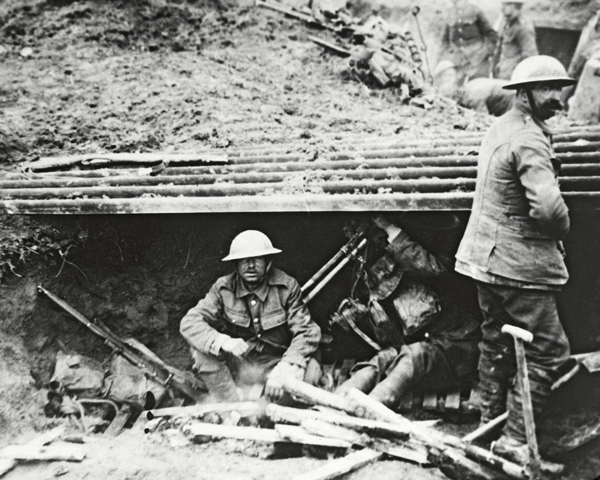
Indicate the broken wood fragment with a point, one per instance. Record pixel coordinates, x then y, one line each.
341 466
244 408
412 451
66 452
200 431
7 464
312 395
280 414
297 434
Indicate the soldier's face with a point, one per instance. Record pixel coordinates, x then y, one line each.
510 10
546 97
252 270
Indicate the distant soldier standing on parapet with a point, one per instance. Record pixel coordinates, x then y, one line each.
516 39
468 41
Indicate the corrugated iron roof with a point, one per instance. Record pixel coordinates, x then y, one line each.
363 175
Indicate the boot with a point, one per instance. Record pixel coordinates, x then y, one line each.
395 386
363 379
496 372
221 386
517 452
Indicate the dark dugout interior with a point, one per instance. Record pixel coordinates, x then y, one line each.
139 274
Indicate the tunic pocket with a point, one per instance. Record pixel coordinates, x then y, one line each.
273 319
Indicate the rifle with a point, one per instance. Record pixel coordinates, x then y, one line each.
166 375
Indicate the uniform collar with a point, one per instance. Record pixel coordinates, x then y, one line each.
274 277
525 111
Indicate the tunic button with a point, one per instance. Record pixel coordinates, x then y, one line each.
253 302
256 320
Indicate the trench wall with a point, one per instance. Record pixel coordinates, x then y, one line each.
140 274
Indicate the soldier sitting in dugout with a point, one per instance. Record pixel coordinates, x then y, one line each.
420 315
252 326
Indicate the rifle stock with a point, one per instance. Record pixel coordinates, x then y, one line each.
151 365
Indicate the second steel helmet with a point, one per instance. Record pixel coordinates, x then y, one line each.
250 243
536 69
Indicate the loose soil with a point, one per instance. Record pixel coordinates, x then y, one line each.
148 76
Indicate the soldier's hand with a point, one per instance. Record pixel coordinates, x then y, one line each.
274 387
235 346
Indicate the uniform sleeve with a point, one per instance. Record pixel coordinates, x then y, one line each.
306 334
538 177
413 258
197 325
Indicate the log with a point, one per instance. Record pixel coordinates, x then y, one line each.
316 396
435 438
67 452
412 452
341 466
244 408
297 434
485 429
457 467
7 464
280 414
201 430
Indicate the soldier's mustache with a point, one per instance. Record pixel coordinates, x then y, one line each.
553 105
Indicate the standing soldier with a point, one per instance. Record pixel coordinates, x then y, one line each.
512 248
468 41
252 325
516 41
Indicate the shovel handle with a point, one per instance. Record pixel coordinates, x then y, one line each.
519 333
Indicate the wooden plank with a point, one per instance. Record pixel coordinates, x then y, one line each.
118 423
341 466
246 408
200 430
7 464
295 434
67 452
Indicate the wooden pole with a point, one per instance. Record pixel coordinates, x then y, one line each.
520 335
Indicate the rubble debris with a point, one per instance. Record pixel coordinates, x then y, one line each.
380 55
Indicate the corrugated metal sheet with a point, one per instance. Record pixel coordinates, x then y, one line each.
363 175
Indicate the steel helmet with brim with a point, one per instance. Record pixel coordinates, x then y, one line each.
539 69
250 243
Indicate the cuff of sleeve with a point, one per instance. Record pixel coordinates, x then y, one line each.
217 343
295 359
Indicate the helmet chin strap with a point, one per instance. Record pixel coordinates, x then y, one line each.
534 108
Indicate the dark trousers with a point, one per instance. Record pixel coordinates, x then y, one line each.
534 311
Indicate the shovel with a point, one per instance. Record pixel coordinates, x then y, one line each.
591 362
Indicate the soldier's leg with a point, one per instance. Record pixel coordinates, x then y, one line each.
535 311
216 374
497 364
365 375
415 364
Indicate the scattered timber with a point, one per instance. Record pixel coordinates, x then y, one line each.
438 439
